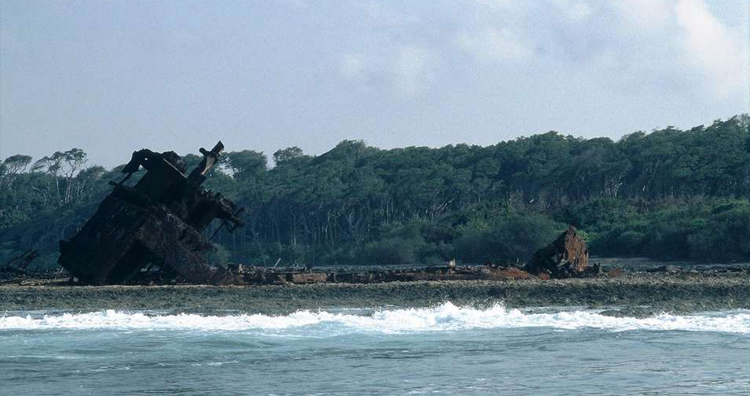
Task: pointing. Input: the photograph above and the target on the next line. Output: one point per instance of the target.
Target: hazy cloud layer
(112, 77)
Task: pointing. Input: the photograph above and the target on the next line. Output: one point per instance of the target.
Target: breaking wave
(446, 317)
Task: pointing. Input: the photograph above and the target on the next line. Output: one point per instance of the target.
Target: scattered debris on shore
(566, 257)
(265, 276)
(248, 275)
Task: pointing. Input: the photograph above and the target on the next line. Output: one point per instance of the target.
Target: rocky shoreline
(632, 294)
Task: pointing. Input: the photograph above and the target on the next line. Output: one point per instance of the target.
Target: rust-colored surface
(567, 256)
(514, 273)
(310, 277)
(263, 275)
(159, 221)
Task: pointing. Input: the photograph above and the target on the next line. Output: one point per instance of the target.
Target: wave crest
(446, 317)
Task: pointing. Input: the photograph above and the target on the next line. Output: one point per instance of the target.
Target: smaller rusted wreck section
(566, 257)
(159, 221)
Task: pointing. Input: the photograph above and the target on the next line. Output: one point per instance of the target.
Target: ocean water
(445, 350)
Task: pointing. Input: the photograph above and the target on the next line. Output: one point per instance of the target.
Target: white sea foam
(446, 317)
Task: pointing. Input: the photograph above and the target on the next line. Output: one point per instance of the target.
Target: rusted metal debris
(158, 221)
(566, 257)
(280, 276)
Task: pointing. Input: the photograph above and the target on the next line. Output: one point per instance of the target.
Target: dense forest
(668, 194)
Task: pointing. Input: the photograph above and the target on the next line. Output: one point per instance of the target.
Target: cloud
(411, 70)
(710, 47)
(643, 15)
(626, 45)
(575, 10)
(495, 45)
(384, 16)
(297, 4)
(353, 65)
(495, 5)
(405, 70)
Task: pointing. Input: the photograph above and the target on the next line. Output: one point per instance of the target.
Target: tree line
(667, 194)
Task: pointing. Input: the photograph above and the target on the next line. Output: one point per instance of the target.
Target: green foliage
(507, 237)
(389, 251)
(724, 235)
(288, 154)
(247, 164)
(705, 229)
(220, 257)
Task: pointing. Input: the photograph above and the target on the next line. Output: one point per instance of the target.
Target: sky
(111, 77)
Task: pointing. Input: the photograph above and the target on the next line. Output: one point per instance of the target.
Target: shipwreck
(159, 221)
(162, 221)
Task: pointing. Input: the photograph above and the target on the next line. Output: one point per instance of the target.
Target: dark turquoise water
(443, 350)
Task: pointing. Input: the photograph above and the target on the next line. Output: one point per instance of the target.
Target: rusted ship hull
(157, 222)
(122, 238)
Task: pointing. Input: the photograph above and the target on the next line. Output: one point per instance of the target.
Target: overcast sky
(112, 77)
